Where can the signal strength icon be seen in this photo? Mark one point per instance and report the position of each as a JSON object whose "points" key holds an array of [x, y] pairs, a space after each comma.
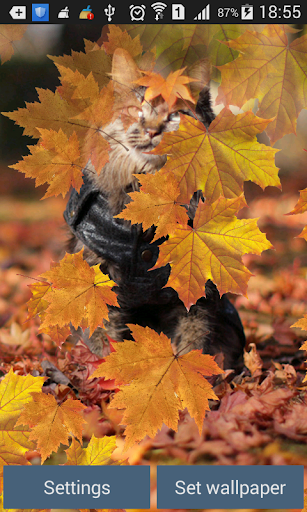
{"points": [[204, 14], [158, 7]]}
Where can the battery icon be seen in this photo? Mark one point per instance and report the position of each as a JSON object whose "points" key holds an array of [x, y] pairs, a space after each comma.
{"points": [[247, 12]]}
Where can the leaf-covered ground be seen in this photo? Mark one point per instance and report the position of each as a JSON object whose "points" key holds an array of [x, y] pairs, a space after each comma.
{"points": [[261, 417]]}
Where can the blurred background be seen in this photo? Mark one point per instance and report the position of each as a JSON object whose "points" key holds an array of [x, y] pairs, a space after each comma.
{"points": [[32, 232]]}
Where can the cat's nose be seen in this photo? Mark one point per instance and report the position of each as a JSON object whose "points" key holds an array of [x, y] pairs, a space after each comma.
{"points": [[152, 133]]}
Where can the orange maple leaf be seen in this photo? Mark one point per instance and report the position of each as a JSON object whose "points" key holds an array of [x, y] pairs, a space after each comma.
{"points": [[156, 204], [37, 305], [97, 115], [79, 292], [212, 249], [219, 160], [9, 34], [52, 424], [303, 234], [94, 60], [302, 324], [78, 108], [270, 69], [155, 384], [77, 89], [301, 205], [52, 112], [56, 160], [58, 334], [170, 88]]}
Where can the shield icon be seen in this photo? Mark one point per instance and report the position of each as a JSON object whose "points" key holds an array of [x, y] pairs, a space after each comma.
{"points": [[40, 11]]}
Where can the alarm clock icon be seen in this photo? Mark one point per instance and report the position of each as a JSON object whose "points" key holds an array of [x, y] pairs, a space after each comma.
{"points": [[137, 12]]}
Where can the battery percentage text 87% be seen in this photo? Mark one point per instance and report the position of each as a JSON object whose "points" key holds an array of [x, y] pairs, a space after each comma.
{"points": [[223, 12]]}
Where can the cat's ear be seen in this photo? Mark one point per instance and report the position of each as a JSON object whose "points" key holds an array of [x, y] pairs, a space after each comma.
{"points": [[200, 90], [201, 72], [124, 71]]}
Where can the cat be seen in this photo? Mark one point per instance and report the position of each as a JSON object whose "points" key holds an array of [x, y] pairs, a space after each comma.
{"points": [[126, 253], [129, 151]]}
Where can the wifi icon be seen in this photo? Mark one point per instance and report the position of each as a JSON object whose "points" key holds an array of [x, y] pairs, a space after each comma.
{"points": [[158, 7]]}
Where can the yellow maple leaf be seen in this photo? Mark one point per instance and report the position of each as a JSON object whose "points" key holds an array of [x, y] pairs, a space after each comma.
{"points": [[219, 160], [211, 38], [9, 34], [156, 204], [155, 384], [270, 69], [78, 292], [98, 452], [52, 424], [212, 249], [170, 88], [15, 393]]}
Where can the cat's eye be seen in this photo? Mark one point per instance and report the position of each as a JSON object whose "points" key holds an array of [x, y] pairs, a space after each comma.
{"points": [[174, 116]]}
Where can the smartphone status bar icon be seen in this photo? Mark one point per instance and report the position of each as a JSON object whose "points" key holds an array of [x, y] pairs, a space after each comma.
{"points": [[204, 14], [247, 12], [18, 12], [40, 12], [64, 13]]}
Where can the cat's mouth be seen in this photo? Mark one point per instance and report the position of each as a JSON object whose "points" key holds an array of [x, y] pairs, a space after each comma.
{"points": [[148, 145]]}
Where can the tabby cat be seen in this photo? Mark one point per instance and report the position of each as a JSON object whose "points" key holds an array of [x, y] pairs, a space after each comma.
{"points": [[126, 253], [129, 151]]}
